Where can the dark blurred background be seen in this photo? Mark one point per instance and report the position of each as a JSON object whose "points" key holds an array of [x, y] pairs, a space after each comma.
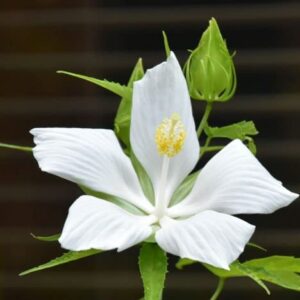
{"points": [[104, 39]]}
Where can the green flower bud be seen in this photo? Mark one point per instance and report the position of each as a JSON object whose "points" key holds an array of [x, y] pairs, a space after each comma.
{"points": [[209, 70]]}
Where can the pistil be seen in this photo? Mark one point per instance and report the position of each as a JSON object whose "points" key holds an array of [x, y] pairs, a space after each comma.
{"points": [[160, 199], [169, 138]]}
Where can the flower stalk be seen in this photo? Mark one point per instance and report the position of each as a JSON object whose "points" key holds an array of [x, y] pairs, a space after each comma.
{"points": [[205, 117], [219, 289]]}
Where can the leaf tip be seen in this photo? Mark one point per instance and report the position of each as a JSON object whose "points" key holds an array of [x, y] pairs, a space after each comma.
{"points": [[23, 273], [63, 72], [166, 43]]}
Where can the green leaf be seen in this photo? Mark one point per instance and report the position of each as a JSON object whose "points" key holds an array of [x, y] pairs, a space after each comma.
{"points": [[237, 270], [238, 130], [153, 265], [50, 238], [65, 258], [253, 275], [184, 189], [116, 200], [122, 119], [166, 44], [276, 262], [16, 147], [116, 88], [280, 270], [143, 177]]}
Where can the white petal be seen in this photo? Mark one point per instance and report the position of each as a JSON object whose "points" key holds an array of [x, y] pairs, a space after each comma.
{"points": [[162, 92], [209, 237], [89, 157], [234, 182], [93, 223]]}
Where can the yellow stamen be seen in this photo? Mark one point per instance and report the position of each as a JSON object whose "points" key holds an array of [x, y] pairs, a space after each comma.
{"points": [[170, 136]]}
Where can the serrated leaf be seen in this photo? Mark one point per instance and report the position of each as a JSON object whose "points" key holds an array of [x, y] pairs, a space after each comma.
{"points": [[116, 200], [153, 264], [184, 189], [253, 275], [283, 279], [143, 177], [49, 238], [237, 269], [234, 131], [276, 262], [122, 119], [114, 87], [280, 270], [65, 258]]}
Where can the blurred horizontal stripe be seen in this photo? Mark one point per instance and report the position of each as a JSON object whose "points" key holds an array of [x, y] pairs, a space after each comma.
{"points": [[155, 15]]}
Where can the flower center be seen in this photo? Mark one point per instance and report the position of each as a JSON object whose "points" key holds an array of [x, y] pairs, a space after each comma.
{"points": [[170, 136]]}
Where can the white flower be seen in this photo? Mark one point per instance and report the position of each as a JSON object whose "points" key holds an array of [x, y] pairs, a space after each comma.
{"points": [[163, 138]]}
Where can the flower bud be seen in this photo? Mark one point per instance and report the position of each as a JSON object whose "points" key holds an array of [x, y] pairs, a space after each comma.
{"points": [[209, 70]]}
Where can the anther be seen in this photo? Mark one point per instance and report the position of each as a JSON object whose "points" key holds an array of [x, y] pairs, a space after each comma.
{"points": [[170, 136]]}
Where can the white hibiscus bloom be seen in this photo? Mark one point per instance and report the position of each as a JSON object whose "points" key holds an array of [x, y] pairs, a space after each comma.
{"points": [[164, 139]]}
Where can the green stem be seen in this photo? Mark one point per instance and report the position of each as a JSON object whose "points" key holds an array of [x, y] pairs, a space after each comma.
{"points": [[207, 142], [203, 149], [16, 147], [219, 289], [210, 149], [204, 118]]}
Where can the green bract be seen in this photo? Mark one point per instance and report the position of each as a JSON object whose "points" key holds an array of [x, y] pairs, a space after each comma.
{"points": [[122, 119], [210, 71]]}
